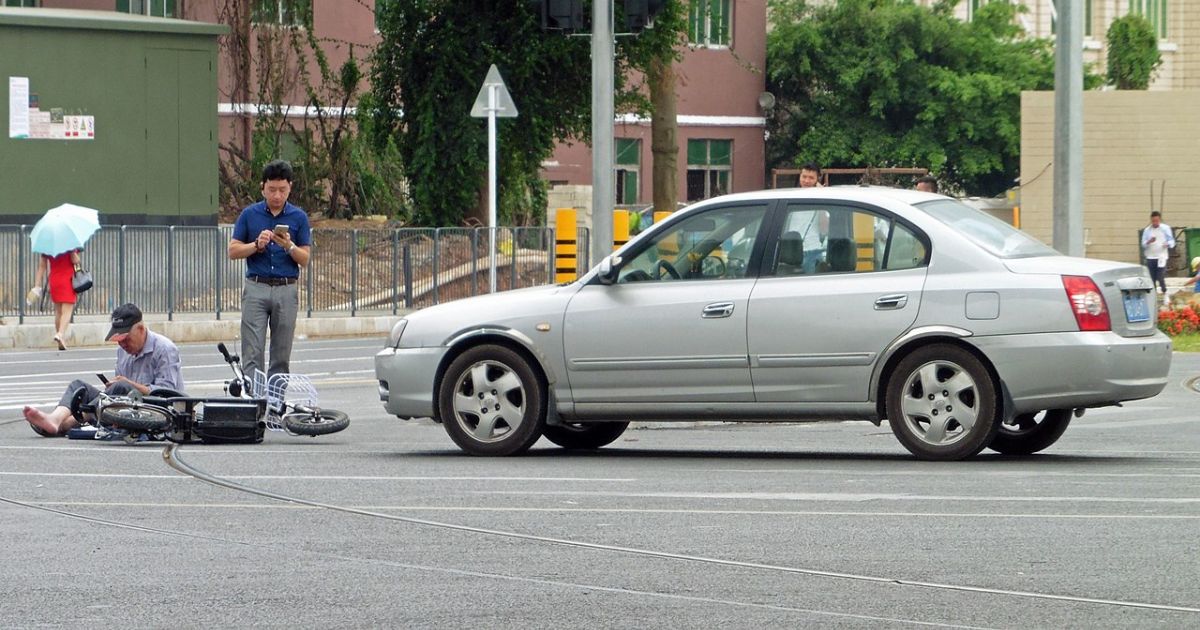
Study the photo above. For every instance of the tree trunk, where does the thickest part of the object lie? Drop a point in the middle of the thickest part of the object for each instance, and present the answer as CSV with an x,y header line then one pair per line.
x,y
663,145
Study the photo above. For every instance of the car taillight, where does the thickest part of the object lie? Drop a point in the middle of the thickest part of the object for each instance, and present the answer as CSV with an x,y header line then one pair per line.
x,y
1086,303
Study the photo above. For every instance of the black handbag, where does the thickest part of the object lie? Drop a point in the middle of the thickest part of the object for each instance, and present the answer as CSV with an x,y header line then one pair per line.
x,y
82,280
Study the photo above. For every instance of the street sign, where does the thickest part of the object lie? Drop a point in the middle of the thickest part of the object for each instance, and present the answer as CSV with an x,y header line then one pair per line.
x,y
504,106
493,102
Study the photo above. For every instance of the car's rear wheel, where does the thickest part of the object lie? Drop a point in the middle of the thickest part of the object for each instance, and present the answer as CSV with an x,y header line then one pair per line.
x,y
1031,432
941,403
584,436
492,402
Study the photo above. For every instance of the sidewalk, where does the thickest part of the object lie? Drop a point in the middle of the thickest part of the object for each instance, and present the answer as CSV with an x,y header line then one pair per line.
x,y
37,332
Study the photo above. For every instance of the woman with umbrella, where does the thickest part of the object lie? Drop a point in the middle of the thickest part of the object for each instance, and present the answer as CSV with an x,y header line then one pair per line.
x,y
59,237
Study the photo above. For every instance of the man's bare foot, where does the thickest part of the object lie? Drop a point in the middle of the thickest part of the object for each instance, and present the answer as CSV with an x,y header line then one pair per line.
x,y
41,423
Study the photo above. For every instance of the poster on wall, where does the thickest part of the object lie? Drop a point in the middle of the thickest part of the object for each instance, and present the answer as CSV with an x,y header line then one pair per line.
x,y
26,118
18,107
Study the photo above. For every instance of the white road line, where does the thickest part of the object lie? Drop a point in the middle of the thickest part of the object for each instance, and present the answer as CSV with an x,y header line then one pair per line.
x,y
511,509
319,477
1169,473
1121,424
844,497
208,366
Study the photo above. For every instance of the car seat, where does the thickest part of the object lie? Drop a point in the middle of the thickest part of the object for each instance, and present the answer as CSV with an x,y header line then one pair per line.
x,y
790,261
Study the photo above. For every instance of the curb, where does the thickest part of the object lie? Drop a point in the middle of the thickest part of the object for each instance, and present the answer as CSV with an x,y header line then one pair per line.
x,y
85,334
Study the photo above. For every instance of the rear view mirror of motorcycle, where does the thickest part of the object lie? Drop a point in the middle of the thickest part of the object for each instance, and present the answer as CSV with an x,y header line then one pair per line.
x,y
229,358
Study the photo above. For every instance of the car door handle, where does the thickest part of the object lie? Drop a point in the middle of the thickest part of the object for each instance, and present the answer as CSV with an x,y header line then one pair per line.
x,y
719,309
891,302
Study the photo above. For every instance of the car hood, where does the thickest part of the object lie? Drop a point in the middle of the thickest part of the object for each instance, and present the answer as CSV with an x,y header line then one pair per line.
x,y
436,325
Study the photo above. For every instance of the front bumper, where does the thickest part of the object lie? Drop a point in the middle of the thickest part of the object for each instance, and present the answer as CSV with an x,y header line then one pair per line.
x,y
406,380
1078,369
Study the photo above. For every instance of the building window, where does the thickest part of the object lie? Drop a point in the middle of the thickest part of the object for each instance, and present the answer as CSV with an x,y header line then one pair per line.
x,y
157,8
709,166
709,22
627,167
1153,10
21,3
282,12
1087,17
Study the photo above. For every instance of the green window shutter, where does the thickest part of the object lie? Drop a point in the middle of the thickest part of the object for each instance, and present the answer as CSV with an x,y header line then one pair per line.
x,y
631,187
123,6
627,152
169,8
697,152
721,17
720,152
696,21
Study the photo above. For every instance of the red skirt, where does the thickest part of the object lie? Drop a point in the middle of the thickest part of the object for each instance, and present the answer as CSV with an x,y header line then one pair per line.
x,y
61,272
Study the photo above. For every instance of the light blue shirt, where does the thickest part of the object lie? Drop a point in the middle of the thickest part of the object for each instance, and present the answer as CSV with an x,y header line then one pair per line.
x,y
156,366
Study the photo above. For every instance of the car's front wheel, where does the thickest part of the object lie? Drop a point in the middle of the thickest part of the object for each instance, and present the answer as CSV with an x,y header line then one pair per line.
x,y
941,403
585,436
492,402
1031,432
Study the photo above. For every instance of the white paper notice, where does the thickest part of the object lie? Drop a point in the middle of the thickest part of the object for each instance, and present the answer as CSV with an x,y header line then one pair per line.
x,y
18,107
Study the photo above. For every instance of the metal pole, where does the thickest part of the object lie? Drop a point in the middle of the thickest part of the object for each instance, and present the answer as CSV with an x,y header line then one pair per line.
x,y
492,90
308,275
218,258
121,267
408,283
512,272
602,129
474,261
171,273
21,291
395,268
1068,129
437,237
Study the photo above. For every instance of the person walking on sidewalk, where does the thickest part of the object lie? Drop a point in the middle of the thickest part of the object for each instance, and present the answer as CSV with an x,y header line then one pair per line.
x,y
275,239
1157,241
58,271
146,361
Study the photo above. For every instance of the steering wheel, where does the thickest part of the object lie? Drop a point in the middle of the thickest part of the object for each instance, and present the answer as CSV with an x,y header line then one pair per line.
x,y
737,267
637,275
661,266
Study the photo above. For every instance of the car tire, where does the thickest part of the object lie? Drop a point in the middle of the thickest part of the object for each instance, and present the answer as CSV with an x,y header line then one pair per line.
x,y
1031,432
492,402
585,436
941,403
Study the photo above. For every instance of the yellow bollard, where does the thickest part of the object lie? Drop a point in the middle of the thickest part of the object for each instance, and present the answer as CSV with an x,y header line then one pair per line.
x,y
566,245
620,228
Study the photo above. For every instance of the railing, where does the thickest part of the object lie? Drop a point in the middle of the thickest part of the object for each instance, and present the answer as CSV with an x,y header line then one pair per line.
x,y
186,270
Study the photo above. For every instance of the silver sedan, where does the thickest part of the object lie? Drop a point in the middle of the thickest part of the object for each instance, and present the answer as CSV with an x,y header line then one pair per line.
x,y
843,303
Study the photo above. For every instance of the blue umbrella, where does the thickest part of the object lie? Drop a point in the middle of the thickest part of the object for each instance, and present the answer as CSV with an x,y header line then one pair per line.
x,y
64,229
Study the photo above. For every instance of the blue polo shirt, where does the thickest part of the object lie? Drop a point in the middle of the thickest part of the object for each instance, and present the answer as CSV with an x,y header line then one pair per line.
x,y
274,262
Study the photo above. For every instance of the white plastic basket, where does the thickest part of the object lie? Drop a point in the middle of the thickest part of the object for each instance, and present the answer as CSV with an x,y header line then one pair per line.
x,y
281,390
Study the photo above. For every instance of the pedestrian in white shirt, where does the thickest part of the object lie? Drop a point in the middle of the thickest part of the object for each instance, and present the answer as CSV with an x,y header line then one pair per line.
x,y
1157,241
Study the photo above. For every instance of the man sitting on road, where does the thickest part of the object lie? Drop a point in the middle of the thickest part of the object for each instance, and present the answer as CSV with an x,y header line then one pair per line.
x,y
146,361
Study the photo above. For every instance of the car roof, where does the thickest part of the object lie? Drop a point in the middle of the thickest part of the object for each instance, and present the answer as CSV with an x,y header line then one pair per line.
x,y
840,193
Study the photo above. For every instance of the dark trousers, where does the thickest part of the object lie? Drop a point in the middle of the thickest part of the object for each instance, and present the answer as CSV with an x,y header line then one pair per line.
x,y
1158,275
120,389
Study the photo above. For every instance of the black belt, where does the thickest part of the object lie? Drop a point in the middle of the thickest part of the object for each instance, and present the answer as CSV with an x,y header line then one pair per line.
x,y
271,280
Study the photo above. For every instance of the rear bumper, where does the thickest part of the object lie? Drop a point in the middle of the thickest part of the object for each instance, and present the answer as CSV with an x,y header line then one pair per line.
x,y
1078,369
406,380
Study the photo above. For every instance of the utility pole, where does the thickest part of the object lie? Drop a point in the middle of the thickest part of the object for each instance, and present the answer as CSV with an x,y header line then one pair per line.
x,y
603,112
1068,129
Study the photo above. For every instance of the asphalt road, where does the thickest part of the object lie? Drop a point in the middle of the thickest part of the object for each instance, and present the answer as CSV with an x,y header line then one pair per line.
x,y
387,524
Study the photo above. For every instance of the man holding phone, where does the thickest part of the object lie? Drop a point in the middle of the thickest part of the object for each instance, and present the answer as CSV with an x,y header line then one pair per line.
x,y
146,361
275,239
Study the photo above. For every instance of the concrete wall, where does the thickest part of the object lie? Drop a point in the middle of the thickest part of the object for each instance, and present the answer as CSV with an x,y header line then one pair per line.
x,y
1132,141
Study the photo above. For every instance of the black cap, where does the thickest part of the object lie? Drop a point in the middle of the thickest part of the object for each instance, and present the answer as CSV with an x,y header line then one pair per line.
x,y
124,317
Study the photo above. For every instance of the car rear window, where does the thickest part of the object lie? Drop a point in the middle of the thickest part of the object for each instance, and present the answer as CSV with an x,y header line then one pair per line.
x,y
986,231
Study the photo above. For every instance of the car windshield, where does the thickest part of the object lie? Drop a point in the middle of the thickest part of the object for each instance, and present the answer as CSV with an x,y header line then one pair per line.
x,y
986,231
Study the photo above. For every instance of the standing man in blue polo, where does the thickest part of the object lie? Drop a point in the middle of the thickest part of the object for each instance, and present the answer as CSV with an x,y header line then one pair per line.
x,y
275,239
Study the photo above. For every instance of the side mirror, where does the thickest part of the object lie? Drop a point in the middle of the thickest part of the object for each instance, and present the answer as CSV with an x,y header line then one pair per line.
x,y
607,272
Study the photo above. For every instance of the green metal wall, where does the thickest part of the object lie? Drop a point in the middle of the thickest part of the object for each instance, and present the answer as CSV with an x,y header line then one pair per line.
x,y
151,85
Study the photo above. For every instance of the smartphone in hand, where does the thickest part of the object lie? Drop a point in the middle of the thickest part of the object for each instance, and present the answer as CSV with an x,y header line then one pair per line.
x,y
281,229
103,379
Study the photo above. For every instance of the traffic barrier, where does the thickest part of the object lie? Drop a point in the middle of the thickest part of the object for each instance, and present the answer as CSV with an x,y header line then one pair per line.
x,y
566,245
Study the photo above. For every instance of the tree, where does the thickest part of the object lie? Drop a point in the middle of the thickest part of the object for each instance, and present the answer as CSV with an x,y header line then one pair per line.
x,y
427,70
890,83
1132,52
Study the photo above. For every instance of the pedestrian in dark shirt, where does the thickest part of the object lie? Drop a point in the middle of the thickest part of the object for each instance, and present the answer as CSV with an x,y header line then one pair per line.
x,y
275,239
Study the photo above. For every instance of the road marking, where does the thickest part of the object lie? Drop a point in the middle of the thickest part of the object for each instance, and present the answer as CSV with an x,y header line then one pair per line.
x,y
1174,472
1120,424
315,477
848,497
208,366
460,508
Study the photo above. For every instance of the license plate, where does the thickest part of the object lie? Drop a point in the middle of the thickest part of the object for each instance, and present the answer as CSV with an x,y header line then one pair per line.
x,y
1137,308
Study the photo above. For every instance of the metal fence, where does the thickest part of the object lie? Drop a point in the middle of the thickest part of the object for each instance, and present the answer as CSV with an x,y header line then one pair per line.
x,y
187,270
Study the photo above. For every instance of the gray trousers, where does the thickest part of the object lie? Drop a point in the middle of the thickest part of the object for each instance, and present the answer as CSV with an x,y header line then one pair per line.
x,y
274,308
120,389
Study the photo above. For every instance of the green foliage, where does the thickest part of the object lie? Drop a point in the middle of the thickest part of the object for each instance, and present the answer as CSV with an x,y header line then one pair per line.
x,y
1132,52
427,71
887,83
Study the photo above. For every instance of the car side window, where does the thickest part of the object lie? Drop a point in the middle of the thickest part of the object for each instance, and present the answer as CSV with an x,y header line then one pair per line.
x,y
715,244
832,239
